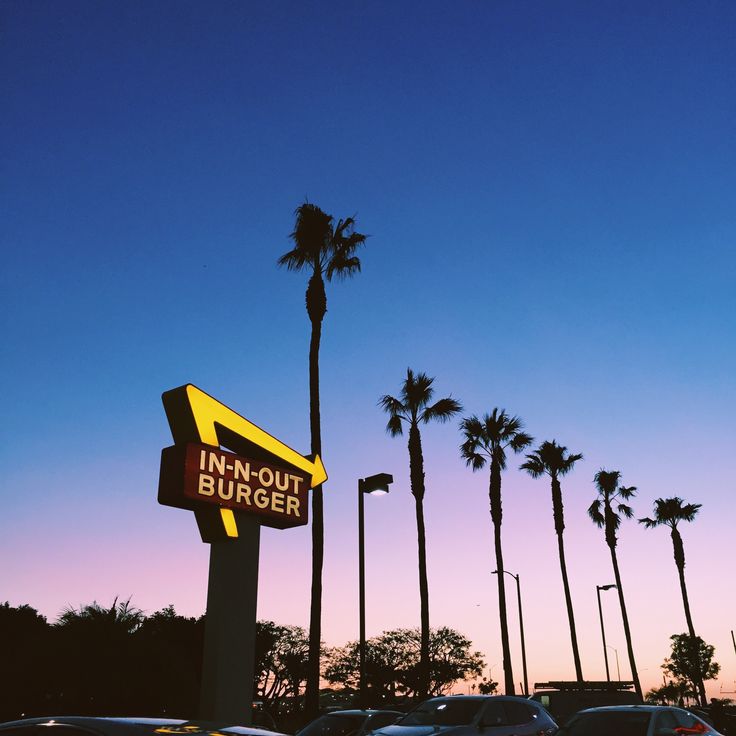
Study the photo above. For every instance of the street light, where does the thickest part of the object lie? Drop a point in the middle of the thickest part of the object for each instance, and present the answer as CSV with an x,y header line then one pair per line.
x,y
376,485
521,629
598,589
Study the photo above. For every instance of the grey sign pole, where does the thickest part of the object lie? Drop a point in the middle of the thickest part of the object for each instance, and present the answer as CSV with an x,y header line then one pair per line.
x,y
230,630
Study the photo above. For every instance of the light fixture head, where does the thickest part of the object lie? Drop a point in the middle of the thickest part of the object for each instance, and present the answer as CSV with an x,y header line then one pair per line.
x,y
376,485
606,587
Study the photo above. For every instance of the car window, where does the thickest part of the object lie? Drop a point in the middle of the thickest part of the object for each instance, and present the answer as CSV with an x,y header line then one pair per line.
x,y
443,712
687,723
666,719
518,713
378,720
494,714
607,723
334,724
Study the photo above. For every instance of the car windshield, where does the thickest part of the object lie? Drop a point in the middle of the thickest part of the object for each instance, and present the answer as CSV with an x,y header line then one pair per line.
x,y
443,712
607,723
334,724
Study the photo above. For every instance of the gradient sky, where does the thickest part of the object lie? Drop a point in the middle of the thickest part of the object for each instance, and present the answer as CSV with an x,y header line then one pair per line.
x,y
550,194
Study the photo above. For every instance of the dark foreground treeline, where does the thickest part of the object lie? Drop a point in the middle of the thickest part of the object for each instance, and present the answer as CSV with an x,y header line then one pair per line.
x,y
99,661
116,661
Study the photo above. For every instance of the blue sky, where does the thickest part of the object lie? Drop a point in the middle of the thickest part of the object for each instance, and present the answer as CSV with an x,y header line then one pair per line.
x,y
549,194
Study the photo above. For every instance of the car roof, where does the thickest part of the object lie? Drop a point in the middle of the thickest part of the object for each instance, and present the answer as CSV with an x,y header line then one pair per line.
x,y
640,707
359,711
175,726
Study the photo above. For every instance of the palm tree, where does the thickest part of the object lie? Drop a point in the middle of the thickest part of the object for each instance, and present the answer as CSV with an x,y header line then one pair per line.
x,y
670,512
553,460
325,249
604,512
413,407
488,439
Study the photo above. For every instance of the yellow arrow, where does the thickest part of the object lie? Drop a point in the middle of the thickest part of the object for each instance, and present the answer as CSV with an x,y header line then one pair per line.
x,y
207,412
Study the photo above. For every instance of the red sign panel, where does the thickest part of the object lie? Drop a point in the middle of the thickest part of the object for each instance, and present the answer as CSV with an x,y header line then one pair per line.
x,y
195,474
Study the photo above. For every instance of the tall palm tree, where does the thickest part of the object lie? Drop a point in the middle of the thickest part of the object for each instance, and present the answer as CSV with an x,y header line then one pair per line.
x,y
413,408
488,439
670,512
604,512
325,249
554,460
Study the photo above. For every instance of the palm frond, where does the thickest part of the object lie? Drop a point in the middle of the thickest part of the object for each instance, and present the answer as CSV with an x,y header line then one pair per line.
x,y
475,459
294,260
594,512
417,390
627,492
442,410
342,267
393,426
649,523
511,427
520,440
391,405
627,511
569,462
534,465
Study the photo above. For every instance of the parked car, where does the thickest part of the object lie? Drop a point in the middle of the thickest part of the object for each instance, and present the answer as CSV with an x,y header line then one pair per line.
x,y
474,715
95,726
636,720
349,722
563,699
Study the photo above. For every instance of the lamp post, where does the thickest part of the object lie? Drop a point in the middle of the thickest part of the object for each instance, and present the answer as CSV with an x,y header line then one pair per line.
x,y
618,671
521,629
598,589
375,485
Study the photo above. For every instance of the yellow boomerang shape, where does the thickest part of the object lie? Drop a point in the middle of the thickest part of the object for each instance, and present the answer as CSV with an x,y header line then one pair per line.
x,y
208,411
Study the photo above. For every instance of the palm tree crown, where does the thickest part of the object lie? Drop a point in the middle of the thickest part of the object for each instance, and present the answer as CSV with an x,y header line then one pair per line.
x,y
324,247
670,512
487,438
550,458
414,406
610,491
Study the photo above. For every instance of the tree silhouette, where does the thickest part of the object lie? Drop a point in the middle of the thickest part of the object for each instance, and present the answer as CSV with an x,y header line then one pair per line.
x,y
28,661
691,661
413,407
95,644
604,512
670,512
325,249
554,460
393,666
488,439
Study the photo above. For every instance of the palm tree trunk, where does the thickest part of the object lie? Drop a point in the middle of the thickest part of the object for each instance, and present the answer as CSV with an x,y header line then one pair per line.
x,y
315,293
416,474
559,518
679,553
570,614
624,616
497,517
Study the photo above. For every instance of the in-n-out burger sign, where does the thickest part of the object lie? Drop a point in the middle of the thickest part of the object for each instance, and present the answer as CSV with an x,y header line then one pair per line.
x,y
264,478
194,473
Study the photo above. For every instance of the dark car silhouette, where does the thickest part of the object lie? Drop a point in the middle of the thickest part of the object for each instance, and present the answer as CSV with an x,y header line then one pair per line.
x,y
474,715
